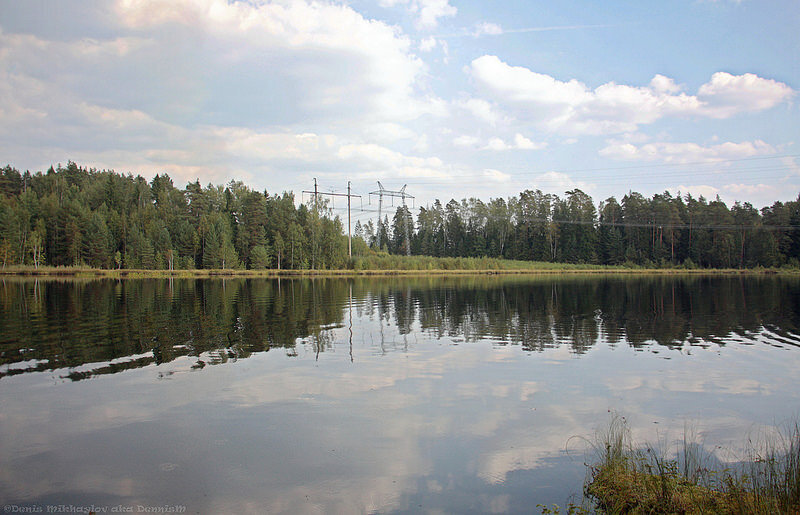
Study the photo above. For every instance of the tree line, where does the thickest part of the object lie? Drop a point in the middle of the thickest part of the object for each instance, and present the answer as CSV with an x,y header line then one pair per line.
x,y
665,230
74,216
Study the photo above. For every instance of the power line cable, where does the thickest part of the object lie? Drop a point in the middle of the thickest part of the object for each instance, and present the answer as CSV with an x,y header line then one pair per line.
x,y
657,225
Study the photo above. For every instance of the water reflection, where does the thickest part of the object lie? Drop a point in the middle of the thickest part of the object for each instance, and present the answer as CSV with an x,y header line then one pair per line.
x,y
105,326
394,395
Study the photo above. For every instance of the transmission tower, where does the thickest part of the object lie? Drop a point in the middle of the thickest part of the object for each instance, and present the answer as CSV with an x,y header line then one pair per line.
x,y
349,195
401,193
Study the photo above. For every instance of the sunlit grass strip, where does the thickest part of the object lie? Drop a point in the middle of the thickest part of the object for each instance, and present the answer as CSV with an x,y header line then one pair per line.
x,y
392,265
635,479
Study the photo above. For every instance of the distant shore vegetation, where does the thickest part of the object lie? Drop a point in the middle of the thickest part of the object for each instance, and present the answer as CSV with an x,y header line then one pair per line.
x,y
72,218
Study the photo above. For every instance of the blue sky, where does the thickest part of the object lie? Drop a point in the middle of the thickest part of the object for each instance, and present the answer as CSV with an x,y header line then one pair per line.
x,y
456,99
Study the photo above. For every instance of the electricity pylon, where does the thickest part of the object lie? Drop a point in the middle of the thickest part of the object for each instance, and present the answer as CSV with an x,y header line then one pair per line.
x,y
348,195
401,193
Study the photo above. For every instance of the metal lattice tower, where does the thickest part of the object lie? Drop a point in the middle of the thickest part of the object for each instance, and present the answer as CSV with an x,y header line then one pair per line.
x,y
349,195
401,193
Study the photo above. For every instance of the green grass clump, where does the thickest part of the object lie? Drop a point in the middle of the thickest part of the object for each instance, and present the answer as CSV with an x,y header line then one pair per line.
x,y
634,479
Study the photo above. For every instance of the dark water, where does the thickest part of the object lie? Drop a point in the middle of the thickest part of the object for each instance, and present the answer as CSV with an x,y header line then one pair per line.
x,y
390,395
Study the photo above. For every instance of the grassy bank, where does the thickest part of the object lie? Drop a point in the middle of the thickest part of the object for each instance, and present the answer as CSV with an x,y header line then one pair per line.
x,y
637,479
384,264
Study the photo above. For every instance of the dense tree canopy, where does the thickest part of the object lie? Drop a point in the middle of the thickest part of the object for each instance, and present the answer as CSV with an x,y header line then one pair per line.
x,y
75,216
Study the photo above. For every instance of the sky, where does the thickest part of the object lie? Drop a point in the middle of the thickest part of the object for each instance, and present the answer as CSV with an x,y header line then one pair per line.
x,y
454,99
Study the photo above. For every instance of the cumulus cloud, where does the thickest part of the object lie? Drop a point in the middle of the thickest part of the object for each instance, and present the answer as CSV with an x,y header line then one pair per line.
x,y
311,43
752,190
497,144
524,143
727,95
376,159
662,84
431,10
427,12
519,142
388,132
250,144
572,107
559,182
427,44
669,152
496,175
480,109
207,88
466,141
279,91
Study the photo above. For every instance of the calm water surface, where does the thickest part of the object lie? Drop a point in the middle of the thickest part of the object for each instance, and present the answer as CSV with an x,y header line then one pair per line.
x,y
389,395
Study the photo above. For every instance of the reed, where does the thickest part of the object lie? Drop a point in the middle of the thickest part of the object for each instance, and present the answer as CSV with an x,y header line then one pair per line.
x,y
630,478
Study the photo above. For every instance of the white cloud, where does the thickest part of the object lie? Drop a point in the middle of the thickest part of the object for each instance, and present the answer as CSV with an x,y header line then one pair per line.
x,y
727,95
487,29
212,89
422,144
431,10
524,143
497,144
388,132
518,84
480,109
752,190
466,141
427,44
445,50
669,152
245,143
632,137
427,12
377,159
520,142
288,89
662,84
311,43
559,183
698,190
496,175
792,164
572,107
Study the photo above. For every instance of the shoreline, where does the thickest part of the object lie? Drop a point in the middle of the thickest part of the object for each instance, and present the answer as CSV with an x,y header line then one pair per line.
x,y
99,273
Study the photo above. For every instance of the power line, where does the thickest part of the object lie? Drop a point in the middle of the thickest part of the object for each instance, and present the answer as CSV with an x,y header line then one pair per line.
x,y
381,191
653,224
672,226
349,195
694,172
656,165
662,177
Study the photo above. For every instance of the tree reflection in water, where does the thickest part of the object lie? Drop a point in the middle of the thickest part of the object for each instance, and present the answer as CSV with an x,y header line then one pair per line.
x,y
96,327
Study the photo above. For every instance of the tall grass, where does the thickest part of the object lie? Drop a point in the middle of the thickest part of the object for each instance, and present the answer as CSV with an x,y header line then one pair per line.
x,y
772,475
383,261
629,478
386,264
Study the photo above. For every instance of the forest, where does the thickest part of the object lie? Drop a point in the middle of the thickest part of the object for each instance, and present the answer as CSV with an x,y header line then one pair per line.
x,y
75,216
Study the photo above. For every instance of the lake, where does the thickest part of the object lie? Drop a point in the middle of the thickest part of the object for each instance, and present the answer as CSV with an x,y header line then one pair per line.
x,y
473,394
